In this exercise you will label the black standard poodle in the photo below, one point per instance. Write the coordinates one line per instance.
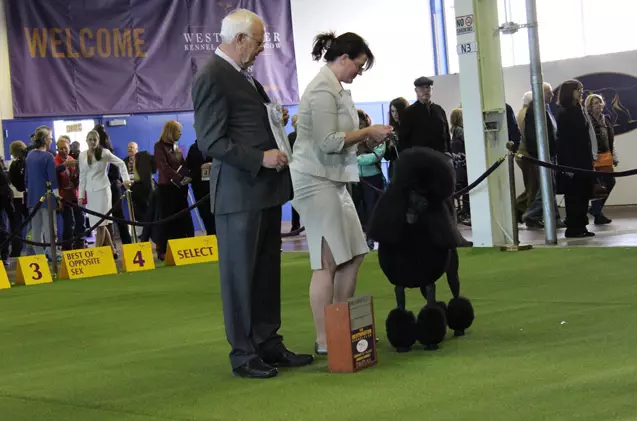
(414, 223)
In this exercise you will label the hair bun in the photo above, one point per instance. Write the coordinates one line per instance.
(322, 43)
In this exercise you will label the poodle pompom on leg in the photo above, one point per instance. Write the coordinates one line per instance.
(431, 326)
(460, 315)
(401, 329)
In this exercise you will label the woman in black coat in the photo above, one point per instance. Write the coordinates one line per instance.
(574, 149)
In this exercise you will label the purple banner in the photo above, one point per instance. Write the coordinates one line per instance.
(78, 57)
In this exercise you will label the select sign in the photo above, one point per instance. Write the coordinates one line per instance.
(465, 24)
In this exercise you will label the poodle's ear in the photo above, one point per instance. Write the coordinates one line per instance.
(387, 222)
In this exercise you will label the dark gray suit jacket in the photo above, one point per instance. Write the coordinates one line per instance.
(233, 129)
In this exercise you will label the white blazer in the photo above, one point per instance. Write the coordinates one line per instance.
(325, 113)
(94, 177)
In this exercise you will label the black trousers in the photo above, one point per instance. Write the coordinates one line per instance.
(173, 199)
(140, 195)
(118, 212)
(8, 224)
(72, 225)
(296, 219)
(16, 215)
(576, 199)
(199, 190)
(429, 292)
(250, 271)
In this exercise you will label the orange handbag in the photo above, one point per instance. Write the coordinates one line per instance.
(604, 159)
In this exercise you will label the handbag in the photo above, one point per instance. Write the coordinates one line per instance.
(604, 159)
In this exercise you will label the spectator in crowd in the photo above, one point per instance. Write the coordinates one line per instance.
(529, 171)
(425, 122)
(95, 184)
(397, 109)
(606, 153)
(372, 180)
(173, 186)
(141, 167)
(534, 213)
(18, 151)
(40, 170)
(68, 182)
(199, 167)
(6, 207)
(577, 148)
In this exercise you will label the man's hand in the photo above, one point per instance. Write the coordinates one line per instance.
(127, 184)
(274, 158)
(206, 165)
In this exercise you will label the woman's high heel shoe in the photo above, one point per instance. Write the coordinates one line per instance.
(320, 350)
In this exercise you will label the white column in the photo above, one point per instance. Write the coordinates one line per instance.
(484, 115)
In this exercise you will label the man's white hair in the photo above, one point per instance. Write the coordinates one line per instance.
(239, 21)
(527, 98)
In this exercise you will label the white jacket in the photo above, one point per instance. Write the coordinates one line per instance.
(94, 177)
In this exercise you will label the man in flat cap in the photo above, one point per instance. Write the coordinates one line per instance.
(424, 123)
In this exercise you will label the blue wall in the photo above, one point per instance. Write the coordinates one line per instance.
(146, 128)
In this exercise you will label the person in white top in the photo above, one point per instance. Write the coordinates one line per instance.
(95, 183)
(323, 162)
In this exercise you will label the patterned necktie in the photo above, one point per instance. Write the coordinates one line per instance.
(248, 76)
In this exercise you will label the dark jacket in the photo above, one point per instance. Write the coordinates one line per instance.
(424, 126)
(574, 147)
(610, 131)
(145, 165)
(512, 125)
(530, 137)
(194, 160)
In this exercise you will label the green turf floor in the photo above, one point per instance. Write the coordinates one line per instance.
(151, 346)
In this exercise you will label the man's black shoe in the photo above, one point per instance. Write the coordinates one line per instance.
(255, 369)
(283, 357)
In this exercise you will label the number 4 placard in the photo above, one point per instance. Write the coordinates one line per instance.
(137, 257)
(33, 270)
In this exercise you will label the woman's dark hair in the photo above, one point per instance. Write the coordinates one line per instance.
(105, 140)
(40, 137)
(328, 46)
(565, 97)
(400, 104)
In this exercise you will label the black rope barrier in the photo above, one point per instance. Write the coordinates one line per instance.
(61, 243)
(480, 179)
(142, 223)
(13, 235)
(565, 169)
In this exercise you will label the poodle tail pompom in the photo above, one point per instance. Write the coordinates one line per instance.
(460, 314)
(431, 326)
(401, 329)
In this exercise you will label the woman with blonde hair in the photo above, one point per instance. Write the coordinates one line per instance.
(606, 157)
(95, 187)
(173, 186)
(529, 172)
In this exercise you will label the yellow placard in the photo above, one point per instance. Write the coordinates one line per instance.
(186, 251)
(137, 257)
(86, 263)
(4, 279)
(33, 270)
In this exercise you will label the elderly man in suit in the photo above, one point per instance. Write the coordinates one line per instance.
(141, 167)
(249, 183)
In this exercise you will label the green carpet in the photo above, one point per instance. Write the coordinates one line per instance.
(554, 339)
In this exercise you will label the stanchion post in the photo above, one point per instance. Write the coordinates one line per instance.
(546, 180)
(516, 233)
(131, 213)
(201, 225)
(51, 206)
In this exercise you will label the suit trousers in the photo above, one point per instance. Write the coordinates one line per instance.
(250, 270)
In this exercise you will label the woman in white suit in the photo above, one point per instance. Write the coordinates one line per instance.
(323, 162)
(95, 183)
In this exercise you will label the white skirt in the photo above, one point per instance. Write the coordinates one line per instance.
(99, 201)
(328, 212)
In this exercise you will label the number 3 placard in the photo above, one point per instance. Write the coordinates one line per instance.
(137, 257)
(33, 270)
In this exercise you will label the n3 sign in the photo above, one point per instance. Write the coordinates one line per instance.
(33, 270)
(138, 257)
(467, 48)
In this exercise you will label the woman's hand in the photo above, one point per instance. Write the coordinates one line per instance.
(206, 166)
(378, 133)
